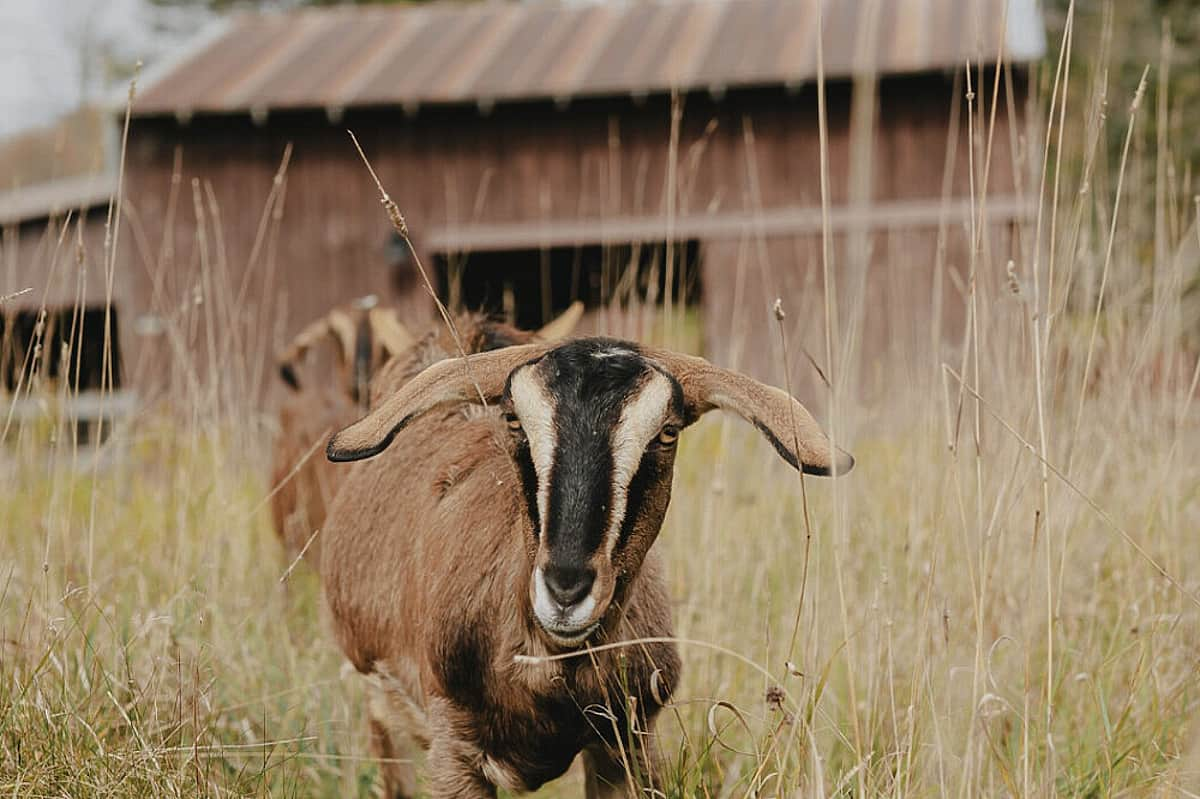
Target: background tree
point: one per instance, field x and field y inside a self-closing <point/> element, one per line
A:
<point x="1127" y="36"/>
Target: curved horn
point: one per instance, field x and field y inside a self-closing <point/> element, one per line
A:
<point x="344" y="329"/>
<point x="784" y="422"/>
<point x="391" y="333"/>
<point x="305" y="340"/>
<point x="471" y="379"/>
<point x="563" y="325"/>
<point x="335" y="324"/>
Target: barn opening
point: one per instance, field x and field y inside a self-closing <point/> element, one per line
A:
<point x="532" y="286"/>
<point x="66" y="346"/>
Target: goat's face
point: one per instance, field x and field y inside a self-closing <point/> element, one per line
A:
<point x="594" y="426"/>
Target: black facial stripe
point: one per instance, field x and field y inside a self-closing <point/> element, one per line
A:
<point x="580" y="488"/>
<point x="647" y="474"/>
<point x="529" y="484"/>
<point x="591" y="380"/>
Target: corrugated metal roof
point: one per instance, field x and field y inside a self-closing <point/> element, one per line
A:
<point x="44" y="200"/>
<point x="495" y="51"/>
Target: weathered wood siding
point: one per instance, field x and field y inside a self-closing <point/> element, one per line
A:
<point x="460" y="168"/>
<point x="63" y="262"/>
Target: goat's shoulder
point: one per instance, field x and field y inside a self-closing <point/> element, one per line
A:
<point x="415" y="530"/>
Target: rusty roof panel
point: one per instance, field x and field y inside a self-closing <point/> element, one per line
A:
<point x="421" y="47"/>
<point x="313" y="73"/>
<point x="196" y="83"/>
<point x="579" y="52"/>
<point x="683" y="53"/>
<point x="512" y="68"/>
<point x="841" y="25"/>
<point x="395" y="35"/>
<point x="672" y="31"/>
<point x="797" y="56"/>
<point x="429" y="81"/>
<point x="780" y="24"/>
<point x="492" y="50"/>
<point x="911" y="37"/>
<point x="608" y="71"/>
<point x="284" y="54"/>
<point x="459" y="77"/>
<point x="741" y="37"/>
<point x="665" y="27"/>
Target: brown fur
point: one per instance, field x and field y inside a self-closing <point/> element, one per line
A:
<point x="364" y="337"/>
<point x="306" y="482"/>
<point x="435" y="587"/>
<point x="315" y="410"/>
<point x="428" y="577"/>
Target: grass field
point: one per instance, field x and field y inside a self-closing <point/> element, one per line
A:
<point x="1002" y="599"/>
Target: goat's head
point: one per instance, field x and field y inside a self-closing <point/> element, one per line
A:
<point x="364" y="336"/>
<point x="593" y="425"/>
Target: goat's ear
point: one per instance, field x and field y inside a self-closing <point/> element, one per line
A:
<point x="784" y="422"/>
<point x="563" y="325"/>
<point x="475" y="378"/>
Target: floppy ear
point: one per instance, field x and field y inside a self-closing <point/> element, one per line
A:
<point x="784" y="422"/>
<point x="335" y="324"/>
<point x="563" y="325"/>
<point x="474" y="378"/>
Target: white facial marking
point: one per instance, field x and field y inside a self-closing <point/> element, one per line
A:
<point x="535" y="407"/>
<point x="569" y="626"/>
<point x="612" y="352"/>
<point x="640" y="422"/>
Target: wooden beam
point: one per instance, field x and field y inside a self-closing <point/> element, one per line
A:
<point x="85" y="406"/>
<point x="774" y="222"/>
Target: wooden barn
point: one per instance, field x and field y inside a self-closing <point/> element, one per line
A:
<point x="544" y="151"/>
<point x="55" y="303"/>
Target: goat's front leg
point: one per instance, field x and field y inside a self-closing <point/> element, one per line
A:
<point x="454" y="764"/>
<point x="608" y="776"/>
<point x="399" y="777"/>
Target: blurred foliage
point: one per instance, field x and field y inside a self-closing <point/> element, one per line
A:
<point x="1114" y="43"/>
<point x="1143" y="33"/>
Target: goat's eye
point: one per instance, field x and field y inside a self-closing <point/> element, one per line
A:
<point x="512" y="421"/>
<point x="668" y="435"/>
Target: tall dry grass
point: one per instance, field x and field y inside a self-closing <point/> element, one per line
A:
<point x="1002" y="599"/>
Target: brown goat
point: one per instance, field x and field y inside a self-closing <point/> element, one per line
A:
<point x="525" y="529"/>
<point x="364" y="336"/>
<point x="367" y="339"/>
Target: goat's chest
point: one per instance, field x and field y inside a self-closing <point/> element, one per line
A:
<point x="526" y="747"/>
<point x="529" y="728"/>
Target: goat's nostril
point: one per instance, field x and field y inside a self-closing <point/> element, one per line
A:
<point x="567" y="585"/>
